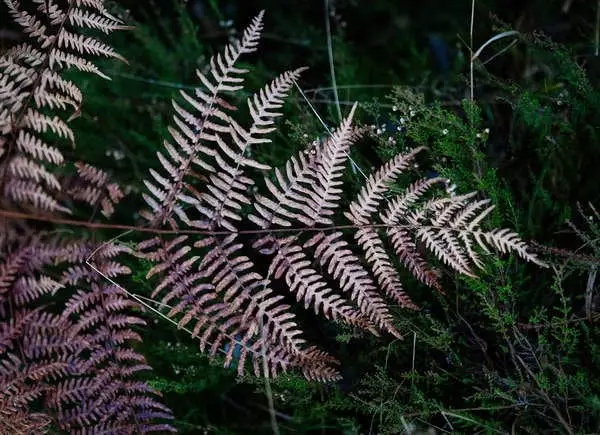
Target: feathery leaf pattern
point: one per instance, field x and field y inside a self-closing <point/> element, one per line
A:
<point x="80" y="363"/>
<point x="34" y="90"/>
<point x="211" y="286"/>
<point x="74" y="362"/>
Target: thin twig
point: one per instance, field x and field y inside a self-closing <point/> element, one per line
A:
<point x="546" y="397"/>
<point x="331" y="64"/>
<point x="471" y="76"/>
<point x="414" y="351"/>
<point x="589" y="292"/>
<point x="354" y="164"/>
<point x="597" y="36"/>
<point x="499" y="53"/>
<point x="491" y="40"/>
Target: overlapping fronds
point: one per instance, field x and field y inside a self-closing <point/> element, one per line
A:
<point x="308" y="193"/>
<point x="33" y="90"/>
<point x="238" y="305"/>
<point x="106" y="397"/>
<point x="74" y="363"/>
<point x="78" y="364"/>
<point x="38" y="350"/>
<point x="208" y="122"/>
<point x="222" y="299"/>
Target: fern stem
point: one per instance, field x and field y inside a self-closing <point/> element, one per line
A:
<point x="99" y="225"/>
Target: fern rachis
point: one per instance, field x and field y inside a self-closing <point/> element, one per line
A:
<point x="303" y="195"/>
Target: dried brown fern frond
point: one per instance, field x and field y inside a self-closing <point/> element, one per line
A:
<point x="93" y="187"/>
<point x="76" y="364"/>
<point x="105" y="396"/>
<point x="219" y="288"/>
<point x="222" y="299"/>
<point x="33" y="90"/>
<point x="38" y="350"/>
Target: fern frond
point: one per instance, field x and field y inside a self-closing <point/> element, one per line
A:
<point x="360" y="211"/>
<point x="409" y="255"/>
<point x="308" y="191"/>
<point x="206" y="124"/>
<point x="386" y="274"/>
<point x="450" y="226"/>
<point x="101" y="313"/>
<point x="21" y="167"/>
<point x="32" y="88"/>
<point x="38" y="350"/>
<point x="92" y="186"/>
<point x="371" y="194"/>
<point x="15" y="419"/>
<point x="332" y="252"/>
<point x="227" y="191"/>
<point x="32" y="195"/>
<point x="216" y="291"/>
<point x="292" y="264"/>
<point x="236" y="310"/>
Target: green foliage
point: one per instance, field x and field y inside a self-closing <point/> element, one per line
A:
<point x="520" y="358"/>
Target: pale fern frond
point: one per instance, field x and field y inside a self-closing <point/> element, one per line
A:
<point x="212" y="285"/>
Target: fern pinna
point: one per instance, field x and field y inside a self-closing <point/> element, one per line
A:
<point x="210" y="286"/>
<point x="70" y="366"/>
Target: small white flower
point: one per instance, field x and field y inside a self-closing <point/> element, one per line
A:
<point x="486" y="131"/>
<point x="379" y="131"/>
<point x="395" y="108"/>
<point x="478" y="135"/>
<point x="445" y="131"/>
<point x="305" y="135"/>
<point x="402" y="120"/>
